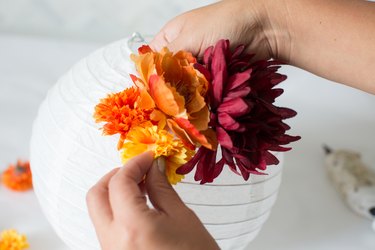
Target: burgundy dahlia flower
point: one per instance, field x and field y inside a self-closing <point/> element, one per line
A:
<point x="248" y="126"/>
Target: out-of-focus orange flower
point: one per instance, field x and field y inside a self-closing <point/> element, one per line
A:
<point x="149" y="138"/>
<point x="178" y="91"/>
<point x="121" y="111"/>
<point x="18" y="177"/>
<point x="11" y="240"/>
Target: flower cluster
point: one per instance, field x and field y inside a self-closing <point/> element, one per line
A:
<point x="18" y="177"/>
<point x="189" y="111"/>
<point x="11" y="240"/>
<point x="247" y="124"/>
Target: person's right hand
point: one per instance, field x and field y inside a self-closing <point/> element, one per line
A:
<point x="240" y="21"/>
<point x="123" y="220"/>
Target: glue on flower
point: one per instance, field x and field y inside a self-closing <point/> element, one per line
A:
<point x="11" y="240"/>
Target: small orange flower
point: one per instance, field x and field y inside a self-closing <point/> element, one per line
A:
<point x="11" y="240"/>
<point x="149" y="138"/>
<point x="18" y="177"/>
<point x="178" y="91"/>
<point x="121" y="111"/>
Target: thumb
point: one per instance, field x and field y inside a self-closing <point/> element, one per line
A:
<point x="161" y="194"/>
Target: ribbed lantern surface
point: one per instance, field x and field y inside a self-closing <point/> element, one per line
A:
<point x="69" y="154"/>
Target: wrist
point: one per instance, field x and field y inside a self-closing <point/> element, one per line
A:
<point x="274" y="17"/>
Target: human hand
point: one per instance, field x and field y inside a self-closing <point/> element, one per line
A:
<point x="122" y="219"/>
<point x="241" y="21"/>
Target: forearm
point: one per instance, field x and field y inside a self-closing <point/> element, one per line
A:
<point x="333" y="39"/>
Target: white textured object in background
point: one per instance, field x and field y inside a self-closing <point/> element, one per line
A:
<point x="69" y="154"/>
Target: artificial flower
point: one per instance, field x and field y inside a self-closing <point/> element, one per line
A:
<point x="149" y="137"/>
<point x="18" y="177"/>
<point x="122" y="111"/>
<point x="11" y="240"/>
<point x="178" y="91"/>
<point x="247" y="124"/>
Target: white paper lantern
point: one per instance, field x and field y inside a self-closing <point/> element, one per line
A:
<point x="69" y="154"/>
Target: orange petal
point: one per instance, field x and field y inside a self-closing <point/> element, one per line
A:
<point x="138" y="82"/>
<point x="193" y="133"/>
<point x="181" y="133"/>
<point x="159" y="117"/>
<point x="171" y="68"/>
<point x="200" y="119"/>
<point x="166" y="99"/>
<point x="145" y="101"/>
<point x="211" y="137"/>
<point x="144" y="65"/>
<point x="144" y="49"/>
<point x="184" y="55"/>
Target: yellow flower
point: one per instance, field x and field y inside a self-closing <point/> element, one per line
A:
<point x="149" y="138"/>
<point x="11" y="240"/>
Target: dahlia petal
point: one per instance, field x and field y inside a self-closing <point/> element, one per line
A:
<point x="204" y="71"/>
<point x="218" y="71"/>
<point x="238" y="79"/>
<point x="286" y="113"/>
<point x="189" y="166"/>
<point x="228" y="123"/>
<point x="234" y="107"/>
<point x="270" y="158"/>
<point x="218" y="168"/>
<point x="245" y="174"/>
<point x="238" y="51"/>
<point x="207" y="56"/>
<point x="224" y="139"/>
<point x="166" y="99"/>
<point x="278" y="78"/>
<point x="285" y="139"/>
<point x="237" y="93"/>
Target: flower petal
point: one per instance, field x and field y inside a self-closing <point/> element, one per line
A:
<point x="234" y="107"/>
<point x="166" y="99"/>
<point x="224" y="139"/>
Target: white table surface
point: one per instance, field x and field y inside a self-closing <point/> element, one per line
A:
<point x="308" y="213"/>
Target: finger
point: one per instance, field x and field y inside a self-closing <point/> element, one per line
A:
<point x="159" y="41"/>
<point x="161" y="194"/>
<point x="97" y="200"/>
<point x="126" y="197"/>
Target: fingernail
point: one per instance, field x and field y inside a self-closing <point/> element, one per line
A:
<point x="161" y="164"/>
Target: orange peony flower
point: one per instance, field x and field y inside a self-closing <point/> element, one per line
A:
<point x="11" y="240"/>
<point x="178" y="92"/>
<point x="122" y="111"/>
<point x="18" y="177"/>
<point x="150" y="138"/>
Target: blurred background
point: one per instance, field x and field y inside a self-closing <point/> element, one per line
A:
<point x="91" y="20"/>
<point x="41" y="39"/>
